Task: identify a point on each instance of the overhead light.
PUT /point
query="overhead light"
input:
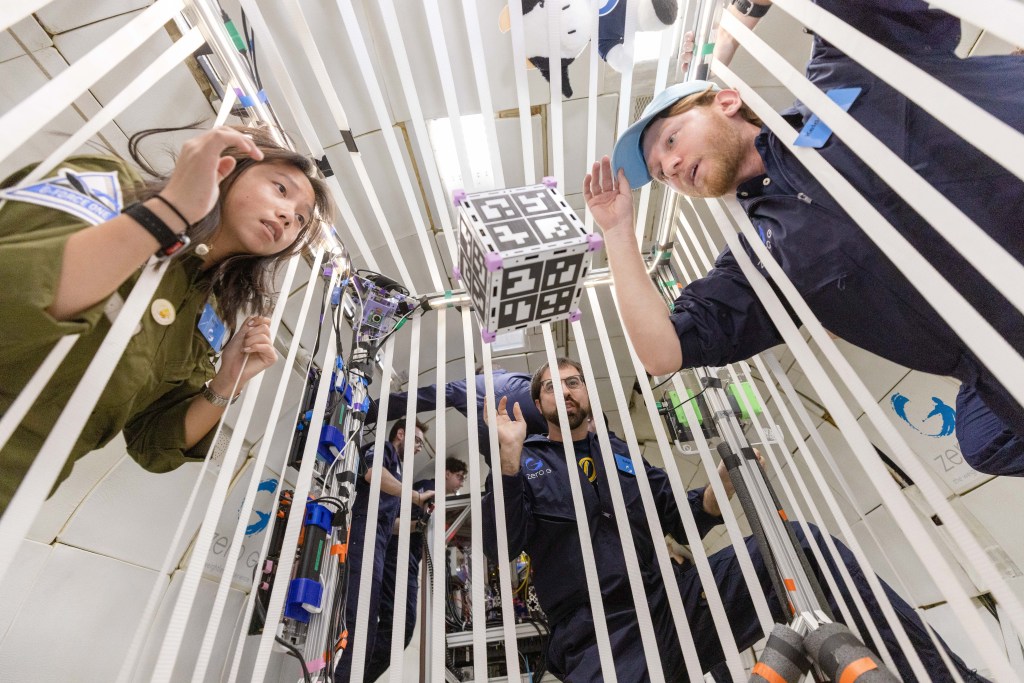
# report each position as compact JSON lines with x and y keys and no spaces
{"x":510,"y":341}
{"x":442,"y":141}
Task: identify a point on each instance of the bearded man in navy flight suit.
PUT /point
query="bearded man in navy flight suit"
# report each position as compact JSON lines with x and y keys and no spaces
{"x":541,"y":520}
{"x":703,"y":141}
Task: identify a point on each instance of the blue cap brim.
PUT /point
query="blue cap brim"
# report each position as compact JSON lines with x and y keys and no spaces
{"x":628,"y":153}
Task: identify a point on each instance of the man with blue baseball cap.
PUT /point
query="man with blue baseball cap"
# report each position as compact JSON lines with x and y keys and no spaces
{"x":703,"y":141}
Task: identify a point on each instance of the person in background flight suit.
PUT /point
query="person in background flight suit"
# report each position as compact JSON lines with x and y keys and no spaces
{"x":514,"y":385}
{"x":387,"y":513}
{"x":455,"y":471}
{"x":703,"y":141}
{"x":540,"y":518}
{"x":246,"y":203}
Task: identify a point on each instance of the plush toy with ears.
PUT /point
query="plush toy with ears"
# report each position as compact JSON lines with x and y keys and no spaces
{"x":575,"y":31}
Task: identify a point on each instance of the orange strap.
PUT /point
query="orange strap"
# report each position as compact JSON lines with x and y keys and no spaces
{"x":767,"y":673}
{"x":341,"y":550}
{"x":855,"y":668}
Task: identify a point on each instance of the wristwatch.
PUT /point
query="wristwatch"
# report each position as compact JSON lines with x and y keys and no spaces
{"x":216,"y":399}
{"x":748,"y":8}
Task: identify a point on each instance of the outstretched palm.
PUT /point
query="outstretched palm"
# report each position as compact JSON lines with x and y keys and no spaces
{"x":511,"y":433}
{"x":608,"y":197}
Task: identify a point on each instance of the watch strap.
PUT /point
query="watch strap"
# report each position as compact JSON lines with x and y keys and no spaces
{"x":170,"y":242}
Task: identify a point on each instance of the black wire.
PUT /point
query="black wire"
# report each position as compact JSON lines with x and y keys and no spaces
{"x":294,"y":652}
{"x":664,"y":380}
{"x":670,"y":408}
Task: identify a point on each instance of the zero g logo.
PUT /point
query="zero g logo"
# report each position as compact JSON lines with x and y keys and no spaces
{"x":534,"y":467}
{"x":589,"y":469}
{"x":945,"y":413}
{"x":262,"y":518}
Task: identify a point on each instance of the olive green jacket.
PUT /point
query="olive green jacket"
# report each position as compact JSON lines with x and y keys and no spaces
{"x":163,"y":367}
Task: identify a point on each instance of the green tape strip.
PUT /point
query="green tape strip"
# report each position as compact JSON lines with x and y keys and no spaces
{"x":707,"y":49}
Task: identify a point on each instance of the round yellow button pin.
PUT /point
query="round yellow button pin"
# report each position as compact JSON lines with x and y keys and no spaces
{"x":162,"y":311}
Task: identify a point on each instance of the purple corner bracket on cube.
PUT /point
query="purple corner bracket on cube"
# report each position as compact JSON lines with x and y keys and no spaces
{"x":493,"y":261}
{"x":594,"y":242}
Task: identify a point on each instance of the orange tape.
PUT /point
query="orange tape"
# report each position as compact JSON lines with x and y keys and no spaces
{"x":855,"y":668}
{"x":341,"y":550}
{"x":782,"y":513}
{"x":790,"y":585}
{"x":767,"y":673}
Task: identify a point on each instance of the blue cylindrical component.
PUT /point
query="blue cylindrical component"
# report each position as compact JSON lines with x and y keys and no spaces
{"x":336,"y":296}
{"x":317,"y":515}
{"x":330,"y":436}
{"x":303,"y":594}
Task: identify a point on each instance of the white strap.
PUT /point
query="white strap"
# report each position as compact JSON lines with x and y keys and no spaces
{"x":977,"y":246}
{"x":226,"y":105}
{"x":515,"y":11}
{"x":992,"y":136}
{"x":150,"y":76}
{"x":554,"y":21}
{"x":294,"y":102}
{"x":436,"y":640}
{"x":275,"y":605}
{"x":483,"y":88}
{"x":504,"y":579}
{"x":477,"y":577}
{"x":604,"y":647}
{"x":54,"y":452}
{"x":397,"y":664}
{"x":917,"y":536}
{"x":685,"y":635}
{"x":39,"y":108}
{"x":1003,"y":18}
{"x":13,"y":12}
{"x":10,"y":420}
{"x":239,"y":430}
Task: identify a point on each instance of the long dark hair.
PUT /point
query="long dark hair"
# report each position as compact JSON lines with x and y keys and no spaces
{"x":244,"y":283}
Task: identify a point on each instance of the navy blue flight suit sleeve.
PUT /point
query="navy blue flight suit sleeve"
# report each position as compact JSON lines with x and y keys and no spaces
{"x":518,"y":516}
{"x":719,"y":319}
{"x":668,"y":509}
{"x":426,"y":400}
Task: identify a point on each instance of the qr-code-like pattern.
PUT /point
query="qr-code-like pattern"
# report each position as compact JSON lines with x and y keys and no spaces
{"x":513,"y":234}
{"x":517,"y":311}
{"x":554,"y":302}
{"x":535,"y":202}
{"x":471,"y":260}
{"x":500,"y":208}
{"x":553,"y":228}
{"x":521,"y":280}
{"x":562,"y":272}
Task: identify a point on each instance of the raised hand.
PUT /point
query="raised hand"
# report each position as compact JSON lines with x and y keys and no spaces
{"x":252,"y":341}
{"x":608,"y":197}
{"x":195,"y":183}
{"x":511,"y":433}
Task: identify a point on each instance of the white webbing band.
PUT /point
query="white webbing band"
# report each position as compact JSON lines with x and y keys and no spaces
{"x":405,"y":507}
{"x":357,"y":635}
{"x":226,"y":105}
{"x":358,"y":45}
{"x":238,"y":434}
{"x":13,"y":12}
{"x":483,"y":88}
{"x":203,"y":543}
{"x":899,"y":447}
{"x":1003,"y":18}
{"x":436,"y":544}
{"x":294,"y":101}
{"x":933,"y":560}
{"x":35,"y":111}
{"x":515,"y":11}
{"x":149,"y":77}
{"x":10,"y":420}
{"x":477,"y":578}
{"x":700,"y":556}
{"x":501,"y":526}
{"x":554,"y":21}
{"x":994,"y":351}
{"x":983,"y":130}
{"x":604,"y":647}
{"x":974,"y":244}
{"x":275,"y":605}
{"x":53,"y":454}
{"x":675,"y":601}
{"x":273,"y":419}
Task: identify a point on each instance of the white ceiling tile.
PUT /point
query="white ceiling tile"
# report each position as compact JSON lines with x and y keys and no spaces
{"x":63,"y":15}
{"x":29,"y":32}
{"x":18,"y":582}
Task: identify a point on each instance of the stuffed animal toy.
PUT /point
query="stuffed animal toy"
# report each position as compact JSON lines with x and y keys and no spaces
{"x":575,"y":31}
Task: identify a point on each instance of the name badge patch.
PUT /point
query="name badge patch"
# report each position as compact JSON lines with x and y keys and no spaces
{"x":624,"y":464}
{"x":93,"y":197}
{"x":815,"y":133}
{"x":212,"y":328}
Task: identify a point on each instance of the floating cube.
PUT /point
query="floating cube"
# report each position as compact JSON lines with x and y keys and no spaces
{"x":523,"y":255}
